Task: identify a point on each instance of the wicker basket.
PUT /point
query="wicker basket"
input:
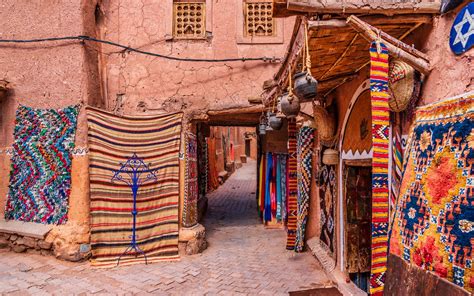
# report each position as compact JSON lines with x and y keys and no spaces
{"x":330,"y":157}
{"x":325,"y":124}
{"x":402,"y":84}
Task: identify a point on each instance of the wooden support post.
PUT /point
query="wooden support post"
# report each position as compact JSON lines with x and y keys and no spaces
{"x":396,"y":48}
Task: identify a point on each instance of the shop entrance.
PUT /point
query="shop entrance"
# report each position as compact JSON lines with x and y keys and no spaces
{"x":358,"y":202}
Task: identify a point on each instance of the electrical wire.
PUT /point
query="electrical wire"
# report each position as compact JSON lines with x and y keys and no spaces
{"x":131,"y":49}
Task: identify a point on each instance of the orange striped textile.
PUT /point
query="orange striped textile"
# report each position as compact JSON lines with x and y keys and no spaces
{"x":112,"y":140}
{"x":292,"y":185}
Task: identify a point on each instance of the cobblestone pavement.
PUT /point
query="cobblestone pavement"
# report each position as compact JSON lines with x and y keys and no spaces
{"x":242,"y":258}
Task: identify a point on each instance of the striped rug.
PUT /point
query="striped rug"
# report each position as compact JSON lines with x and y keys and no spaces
{"x":380,"y":141}
{"x":112,"y":140}
{"x":292,"y":185}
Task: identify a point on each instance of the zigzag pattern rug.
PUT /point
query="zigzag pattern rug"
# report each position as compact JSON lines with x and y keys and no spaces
{"x":112,"y":140}
{"x":292,"y":185}
{"x":40,"y":176}
{"x":305,"y":168}
{"x":380,"y":142}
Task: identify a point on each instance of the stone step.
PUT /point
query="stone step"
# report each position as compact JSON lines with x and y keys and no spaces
{"x":29,"y":229}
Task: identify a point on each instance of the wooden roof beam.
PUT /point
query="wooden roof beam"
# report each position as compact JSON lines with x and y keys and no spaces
{"x":373,"y":20}
{"x":387,"y":7}
{"x":396,"y":48}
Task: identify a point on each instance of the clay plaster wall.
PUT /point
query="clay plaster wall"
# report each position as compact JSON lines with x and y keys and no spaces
{"x":52,"y":76}
{"x":150,"y":84}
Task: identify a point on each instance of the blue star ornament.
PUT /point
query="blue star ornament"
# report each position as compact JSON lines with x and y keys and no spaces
{"x":462,"y":32}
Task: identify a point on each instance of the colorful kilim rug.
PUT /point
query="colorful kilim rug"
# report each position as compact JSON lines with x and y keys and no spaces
{"x":283,"y":162}
{"x":328,"y":195}
{"x":203,"y":165}
{"x":380,"y":142}
{"x":40,"y":176}
{"x":397,"y":161}
{"x":434,"y":221}
{"x":292,"y":185}
{"x":191,"y":184}
{"x":112,"y":140}
{"x":305,"y":168}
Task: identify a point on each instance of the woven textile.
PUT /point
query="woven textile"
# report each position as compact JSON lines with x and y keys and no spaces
{"x":397,"y":161}
{"x":112,"y":140}
{"x":305,"y":168}
{"x":434,"y":221}
{"x":40,"y":176}
{"x":203,"y":165}
{"x":283,"y":174}
{"x":292,"y":196}
{"x":191,"y":182}
{"x":380,"y":142}
{"x":327,"y":194}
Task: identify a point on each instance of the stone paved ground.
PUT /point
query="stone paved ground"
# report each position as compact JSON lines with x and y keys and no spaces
{"x":242,"y":258}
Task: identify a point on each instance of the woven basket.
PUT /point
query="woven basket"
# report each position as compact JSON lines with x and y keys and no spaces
{"x":401,"y":85}
{"x":325,"y":125}
{"x":330,"y":157}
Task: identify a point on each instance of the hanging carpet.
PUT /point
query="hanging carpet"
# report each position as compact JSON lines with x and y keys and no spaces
{"x":380,"y":142}
{"x":191,"y":184}
{"x":112,"y":140}
{"x":434,"y":221}
{"x":292,"y":184}
{"x":305,"y":168}
{"x":40,"y":176}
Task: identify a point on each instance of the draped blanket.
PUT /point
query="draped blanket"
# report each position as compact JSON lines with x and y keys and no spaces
{"x":112,"y":140}
{"x":191,"y":187}
{"x":292,"y":184}
{"x":434,"y":221}
{"x":40,"y":176}
{"x":305,"y":170}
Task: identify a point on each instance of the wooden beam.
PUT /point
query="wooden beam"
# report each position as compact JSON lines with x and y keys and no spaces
{"x":388,"y":7}
{"x":395,"y":47}
{"x":237,"y":110}
{"x":372,"y":20}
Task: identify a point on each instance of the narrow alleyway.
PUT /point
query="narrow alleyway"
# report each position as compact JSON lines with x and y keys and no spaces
{"x":242,"y":258}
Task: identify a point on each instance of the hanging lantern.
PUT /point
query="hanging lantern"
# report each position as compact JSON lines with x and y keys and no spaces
{"x":290,"y":105}
{"x":279,"y":113}
{"x":262,"y":127}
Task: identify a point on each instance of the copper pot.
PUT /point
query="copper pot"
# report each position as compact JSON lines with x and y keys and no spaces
{"x":290,"y":105}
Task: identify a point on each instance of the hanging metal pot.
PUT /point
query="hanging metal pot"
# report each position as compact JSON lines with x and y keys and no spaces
{"x":274,"y":122}
{"x":305,"y":86}
{"x":290,"y":105}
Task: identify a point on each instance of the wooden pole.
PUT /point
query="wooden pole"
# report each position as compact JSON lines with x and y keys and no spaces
{"x":372,"y":20}
{"x":356,"y":6}
{"x":395,"y":47}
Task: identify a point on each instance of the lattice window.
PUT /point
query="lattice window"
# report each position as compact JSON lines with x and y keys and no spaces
{"x":189,"y":20}
{"x":259,"y":19}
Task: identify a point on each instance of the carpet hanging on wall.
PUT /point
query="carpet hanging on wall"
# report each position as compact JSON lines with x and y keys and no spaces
{"x":191,"y":182}
{"x":112,"y":140}
{"x":292,"y":184}
{"x":380,"y":142}
{"x":40,"y":176}
{"x":434,"y":222}
{"x":327,"y":198}
{"x":305,"y":168}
